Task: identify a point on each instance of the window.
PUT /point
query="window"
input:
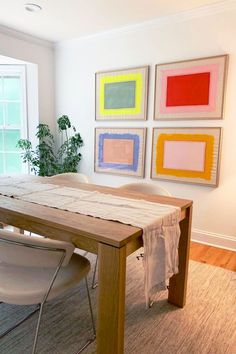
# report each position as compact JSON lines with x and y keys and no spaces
{"x":13,"y":117}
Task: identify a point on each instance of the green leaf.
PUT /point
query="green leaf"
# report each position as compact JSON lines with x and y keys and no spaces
{"x":43,"y":160}
{"x":63,"y":123}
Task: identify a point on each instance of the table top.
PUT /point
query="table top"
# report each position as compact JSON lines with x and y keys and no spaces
{"x":109,"y":232}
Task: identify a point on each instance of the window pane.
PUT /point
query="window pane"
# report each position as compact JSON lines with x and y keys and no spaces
{"x":11,"y":139}
{"x":1,"y":139}
{"x":13,"y":116}
{"x":12,"y":87}
{"x":13,"y":163}
{"x":1,"y":113}
{"x":1,"y":163}
{"x":1,"y":88}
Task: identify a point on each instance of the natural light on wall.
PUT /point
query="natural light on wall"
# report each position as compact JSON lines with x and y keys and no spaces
{"x":17,"y":103}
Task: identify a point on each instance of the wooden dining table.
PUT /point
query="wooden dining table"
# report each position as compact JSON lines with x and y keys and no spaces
{"x":112,"y":241}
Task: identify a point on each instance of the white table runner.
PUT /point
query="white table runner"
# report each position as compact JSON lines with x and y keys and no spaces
{"x":160,"y":222}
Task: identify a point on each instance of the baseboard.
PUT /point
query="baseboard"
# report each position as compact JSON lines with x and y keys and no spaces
{"x":213,"y":239}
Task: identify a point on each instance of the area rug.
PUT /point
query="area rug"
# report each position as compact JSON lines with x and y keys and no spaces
{"x":206,"y":325}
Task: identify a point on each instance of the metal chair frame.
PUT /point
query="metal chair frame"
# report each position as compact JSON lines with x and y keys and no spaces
{"x":41,"y":305}
{"x":94,"y":282}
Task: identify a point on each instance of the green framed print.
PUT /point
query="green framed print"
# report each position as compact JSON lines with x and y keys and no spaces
{"x":122,"y":94}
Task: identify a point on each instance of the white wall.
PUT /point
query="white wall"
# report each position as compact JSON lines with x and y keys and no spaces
{"x":32,"y":50}
{"x":190,"y":35}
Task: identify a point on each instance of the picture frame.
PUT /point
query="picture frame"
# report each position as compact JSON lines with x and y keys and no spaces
{"x":190,"y":89}
{"x":122,"y":94}
{"x":120,"y":151}
{"x":188,"y":155}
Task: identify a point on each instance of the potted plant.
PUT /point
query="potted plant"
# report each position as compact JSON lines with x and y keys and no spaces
{"x":45,"y":160}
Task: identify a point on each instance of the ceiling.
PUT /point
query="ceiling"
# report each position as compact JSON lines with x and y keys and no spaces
{"x":67,"y":19}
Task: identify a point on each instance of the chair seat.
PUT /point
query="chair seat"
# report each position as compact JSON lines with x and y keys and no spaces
{"x":14,"y":281}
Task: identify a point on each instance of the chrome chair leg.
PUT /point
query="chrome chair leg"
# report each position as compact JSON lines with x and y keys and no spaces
{"x":92,"y":320}
{"x":151,"y":302}
{"x":19,"y":322}
{"x":45,"y":299}
{"x":37,"y":328}
{"x":90,"y":307}
{"x":94,"y":283}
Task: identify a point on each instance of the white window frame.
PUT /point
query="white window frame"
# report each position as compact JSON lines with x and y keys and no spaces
{"x":17,"y":70}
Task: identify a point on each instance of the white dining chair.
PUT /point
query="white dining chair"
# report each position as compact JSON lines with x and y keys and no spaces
{"x":71,"y":177}
{"x":150,"y":188}
{"x":35,"y":270}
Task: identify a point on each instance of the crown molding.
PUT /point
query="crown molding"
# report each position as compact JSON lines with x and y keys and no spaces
{"x":202,"y":11}
{"x":25,"y":37}
{"x":207,"y":10}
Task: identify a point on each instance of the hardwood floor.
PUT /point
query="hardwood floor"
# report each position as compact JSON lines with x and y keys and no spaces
{"x":213,"y":255}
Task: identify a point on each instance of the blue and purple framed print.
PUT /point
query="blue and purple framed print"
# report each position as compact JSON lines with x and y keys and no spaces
{"x":122,"y":94}
{"x":120,"y":151}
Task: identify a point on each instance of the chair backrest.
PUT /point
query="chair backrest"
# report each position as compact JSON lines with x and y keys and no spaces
{"x":33,"y":251}
{"x":150,"y":188}
{"x":72,"y":177}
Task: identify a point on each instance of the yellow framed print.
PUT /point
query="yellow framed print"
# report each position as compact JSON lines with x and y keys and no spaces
{"x":122,"y":94}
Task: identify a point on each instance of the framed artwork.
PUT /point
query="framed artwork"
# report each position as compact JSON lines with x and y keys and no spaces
{"x":122,"y":94}
{"x":186,"y":155}
{"x":191,"y":89}
{"x":120,"y":151}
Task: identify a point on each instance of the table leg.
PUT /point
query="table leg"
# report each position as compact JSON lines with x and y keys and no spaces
{"x":111,"y":299}
{"x":178,"y":283}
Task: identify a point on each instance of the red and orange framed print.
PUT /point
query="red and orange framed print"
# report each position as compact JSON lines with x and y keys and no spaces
{"x":191,"y":89}
{"x":189,"y":155}
{"x":120,"y":151}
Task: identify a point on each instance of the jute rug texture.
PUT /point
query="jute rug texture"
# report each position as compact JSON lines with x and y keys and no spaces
{"x":206,"y":325}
